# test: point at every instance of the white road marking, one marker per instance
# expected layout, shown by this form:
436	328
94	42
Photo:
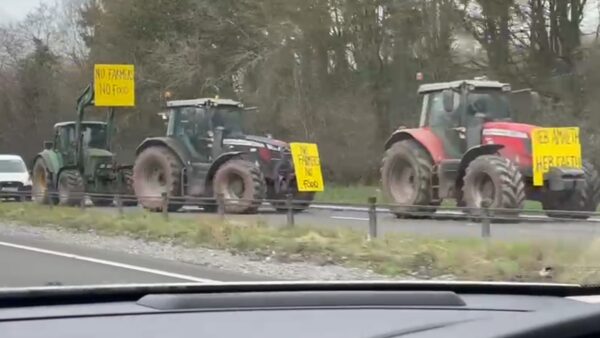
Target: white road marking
350	218
109	263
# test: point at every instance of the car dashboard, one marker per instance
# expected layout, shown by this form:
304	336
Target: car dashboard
312	310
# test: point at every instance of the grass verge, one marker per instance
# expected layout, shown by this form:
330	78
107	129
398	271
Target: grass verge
392	255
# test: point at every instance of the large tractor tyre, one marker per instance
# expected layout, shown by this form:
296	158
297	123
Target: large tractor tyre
497	180
406	174
242	186
127	192
41	190
71	191
584	202
156	171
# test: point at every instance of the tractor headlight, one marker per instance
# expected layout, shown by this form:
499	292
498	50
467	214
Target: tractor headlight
505	133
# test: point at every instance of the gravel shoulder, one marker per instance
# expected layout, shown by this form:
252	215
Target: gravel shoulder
268	267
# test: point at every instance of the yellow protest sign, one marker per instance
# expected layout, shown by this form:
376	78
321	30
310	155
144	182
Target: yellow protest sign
114	85
307	166
554	147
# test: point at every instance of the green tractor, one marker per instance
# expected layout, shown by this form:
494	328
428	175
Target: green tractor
206	153
79	161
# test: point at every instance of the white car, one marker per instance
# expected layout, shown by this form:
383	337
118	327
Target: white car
15	181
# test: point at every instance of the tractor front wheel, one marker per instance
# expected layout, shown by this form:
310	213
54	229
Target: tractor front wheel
497	180
242	186
70	188
406	174
41	184
156	171
584	202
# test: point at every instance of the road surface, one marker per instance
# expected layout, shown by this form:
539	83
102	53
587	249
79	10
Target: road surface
29	261
445	225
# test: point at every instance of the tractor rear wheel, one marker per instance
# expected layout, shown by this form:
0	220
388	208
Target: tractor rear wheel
242	185
41	190
156	171
497	180
406	174
581	201
71	190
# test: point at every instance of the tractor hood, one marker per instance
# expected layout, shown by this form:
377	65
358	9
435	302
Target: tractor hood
516	139
256	141
508	127
96	152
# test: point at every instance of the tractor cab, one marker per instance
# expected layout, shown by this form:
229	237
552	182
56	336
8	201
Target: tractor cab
95	145
202	124
456	111
94	135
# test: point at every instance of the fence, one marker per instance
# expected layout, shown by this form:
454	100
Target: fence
486	217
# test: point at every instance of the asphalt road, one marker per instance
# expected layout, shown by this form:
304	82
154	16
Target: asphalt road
30	261
444	225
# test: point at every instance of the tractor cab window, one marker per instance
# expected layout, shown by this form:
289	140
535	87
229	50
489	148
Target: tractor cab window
65	137
191	122
94	136
436	115
229	118
494	103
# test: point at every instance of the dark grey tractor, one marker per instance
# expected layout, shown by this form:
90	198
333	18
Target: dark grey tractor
206	154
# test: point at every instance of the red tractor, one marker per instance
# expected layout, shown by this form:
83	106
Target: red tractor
467	148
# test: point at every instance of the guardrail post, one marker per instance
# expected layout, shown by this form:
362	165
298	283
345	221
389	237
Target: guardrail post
486	228
165	205
372	218
118	197
221	205
290	209
82	201
119	202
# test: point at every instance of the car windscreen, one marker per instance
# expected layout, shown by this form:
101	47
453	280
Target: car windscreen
12	166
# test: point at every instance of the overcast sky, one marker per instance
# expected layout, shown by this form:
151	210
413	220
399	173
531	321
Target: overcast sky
11	10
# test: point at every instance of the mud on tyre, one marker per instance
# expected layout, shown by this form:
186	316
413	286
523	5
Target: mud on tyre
498	180
242	185
406	174
71	190
156	171
41	190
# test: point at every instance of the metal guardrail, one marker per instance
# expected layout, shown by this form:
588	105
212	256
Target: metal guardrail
484	216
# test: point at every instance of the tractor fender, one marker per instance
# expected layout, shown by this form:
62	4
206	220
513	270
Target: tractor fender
425	137
170	143
218	162
53	163
473	153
